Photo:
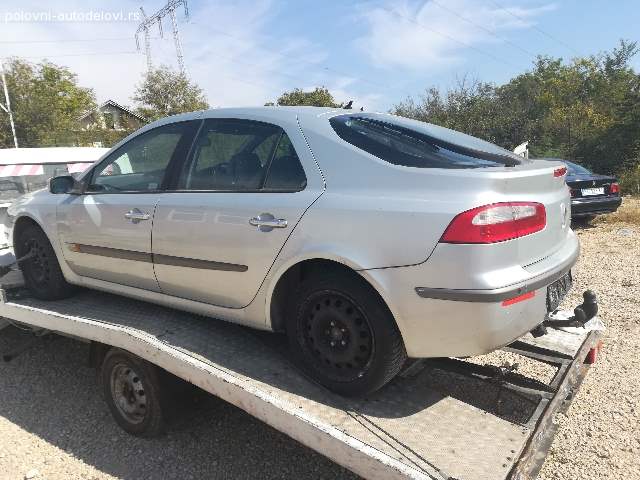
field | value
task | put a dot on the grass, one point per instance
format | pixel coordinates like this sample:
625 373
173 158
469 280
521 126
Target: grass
629 212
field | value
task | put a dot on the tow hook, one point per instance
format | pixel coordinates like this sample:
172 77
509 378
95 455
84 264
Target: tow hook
7 268
581 315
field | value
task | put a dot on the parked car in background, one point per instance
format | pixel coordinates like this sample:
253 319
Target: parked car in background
365 237
24 170
591 194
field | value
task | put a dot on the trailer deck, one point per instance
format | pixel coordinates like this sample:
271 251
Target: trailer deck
439 419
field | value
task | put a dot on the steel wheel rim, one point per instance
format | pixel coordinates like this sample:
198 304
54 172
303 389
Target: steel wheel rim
39 268
336 336
128 394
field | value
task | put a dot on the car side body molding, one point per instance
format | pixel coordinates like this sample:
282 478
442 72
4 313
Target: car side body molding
158 259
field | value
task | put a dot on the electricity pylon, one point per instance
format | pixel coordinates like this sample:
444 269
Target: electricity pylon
144 27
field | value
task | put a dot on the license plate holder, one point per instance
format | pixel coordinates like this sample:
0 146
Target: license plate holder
558 290
589 192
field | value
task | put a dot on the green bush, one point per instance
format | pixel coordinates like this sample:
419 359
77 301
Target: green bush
630 181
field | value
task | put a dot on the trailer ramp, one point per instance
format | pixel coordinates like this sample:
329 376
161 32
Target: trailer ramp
440 419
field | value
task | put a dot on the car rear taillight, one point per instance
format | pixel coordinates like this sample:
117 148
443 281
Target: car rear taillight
614 188
496 223
560 172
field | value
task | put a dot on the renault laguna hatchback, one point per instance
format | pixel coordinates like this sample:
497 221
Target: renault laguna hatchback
367 238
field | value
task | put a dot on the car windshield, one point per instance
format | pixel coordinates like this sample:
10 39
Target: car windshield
575 169
411 143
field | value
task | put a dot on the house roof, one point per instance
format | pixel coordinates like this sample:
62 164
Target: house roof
113 104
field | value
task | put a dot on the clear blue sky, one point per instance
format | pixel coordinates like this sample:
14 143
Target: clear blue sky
374 51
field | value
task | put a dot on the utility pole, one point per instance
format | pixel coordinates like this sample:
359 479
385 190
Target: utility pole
170 10
7 106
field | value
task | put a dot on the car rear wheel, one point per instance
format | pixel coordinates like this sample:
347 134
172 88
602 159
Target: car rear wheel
40 269
344 335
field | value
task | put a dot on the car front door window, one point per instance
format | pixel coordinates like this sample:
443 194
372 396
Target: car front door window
140 164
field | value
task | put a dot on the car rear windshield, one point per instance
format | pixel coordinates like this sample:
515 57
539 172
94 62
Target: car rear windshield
575 169
416 144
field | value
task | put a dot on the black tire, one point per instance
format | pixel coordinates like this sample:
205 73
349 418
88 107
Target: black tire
343 334
133 391
42 273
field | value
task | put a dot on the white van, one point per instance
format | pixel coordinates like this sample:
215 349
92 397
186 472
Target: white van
24 170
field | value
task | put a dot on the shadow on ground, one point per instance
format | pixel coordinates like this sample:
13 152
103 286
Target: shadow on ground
49 391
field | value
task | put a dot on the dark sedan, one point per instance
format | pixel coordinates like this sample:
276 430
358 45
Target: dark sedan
591 194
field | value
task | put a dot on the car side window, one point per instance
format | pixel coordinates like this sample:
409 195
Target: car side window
139 165
286 172
230 155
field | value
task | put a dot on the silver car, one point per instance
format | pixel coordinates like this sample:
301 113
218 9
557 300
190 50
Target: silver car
367 238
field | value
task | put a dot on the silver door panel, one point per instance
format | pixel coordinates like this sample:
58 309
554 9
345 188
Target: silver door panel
99 241
206 249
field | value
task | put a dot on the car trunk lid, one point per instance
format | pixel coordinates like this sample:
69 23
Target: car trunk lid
590 185
536 182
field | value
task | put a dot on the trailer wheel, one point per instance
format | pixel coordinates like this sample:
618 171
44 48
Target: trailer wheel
132 390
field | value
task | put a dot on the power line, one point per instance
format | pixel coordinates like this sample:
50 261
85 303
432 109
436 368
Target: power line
490 32
449 37
306 61
86 54
536 28
17 42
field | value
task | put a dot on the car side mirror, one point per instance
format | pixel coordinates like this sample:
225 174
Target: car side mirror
63 184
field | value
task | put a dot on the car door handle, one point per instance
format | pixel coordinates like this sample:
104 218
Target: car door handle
267 222
136 215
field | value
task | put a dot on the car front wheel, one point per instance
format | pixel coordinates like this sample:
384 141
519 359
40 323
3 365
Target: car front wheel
40 267
344 335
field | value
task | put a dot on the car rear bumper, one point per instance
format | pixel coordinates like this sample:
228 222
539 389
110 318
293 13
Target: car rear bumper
581 207
504 293
438 322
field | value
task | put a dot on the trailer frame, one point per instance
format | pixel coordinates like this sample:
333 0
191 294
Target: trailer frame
367 437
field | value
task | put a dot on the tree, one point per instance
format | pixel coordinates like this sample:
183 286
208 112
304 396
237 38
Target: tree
164 92
587 110
46 102
319 97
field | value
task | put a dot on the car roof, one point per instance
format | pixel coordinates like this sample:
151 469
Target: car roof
271 112
32 156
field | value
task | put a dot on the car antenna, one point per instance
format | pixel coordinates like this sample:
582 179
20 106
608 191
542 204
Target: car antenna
348 105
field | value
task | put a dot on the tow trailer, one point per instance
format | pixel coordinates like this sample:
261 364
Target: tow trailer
441 419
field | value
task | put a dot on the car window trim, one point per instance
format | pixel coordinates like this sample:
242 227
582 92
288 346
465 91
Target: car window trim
176 165
87 180
271 157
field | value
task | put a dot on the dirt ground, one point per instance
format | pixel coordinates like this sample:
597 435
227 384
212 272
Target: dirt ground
55 425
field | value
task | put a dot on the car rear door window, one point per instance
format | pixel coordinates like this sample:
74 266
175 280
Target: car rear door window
242 155
140 164
409 147
286 172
